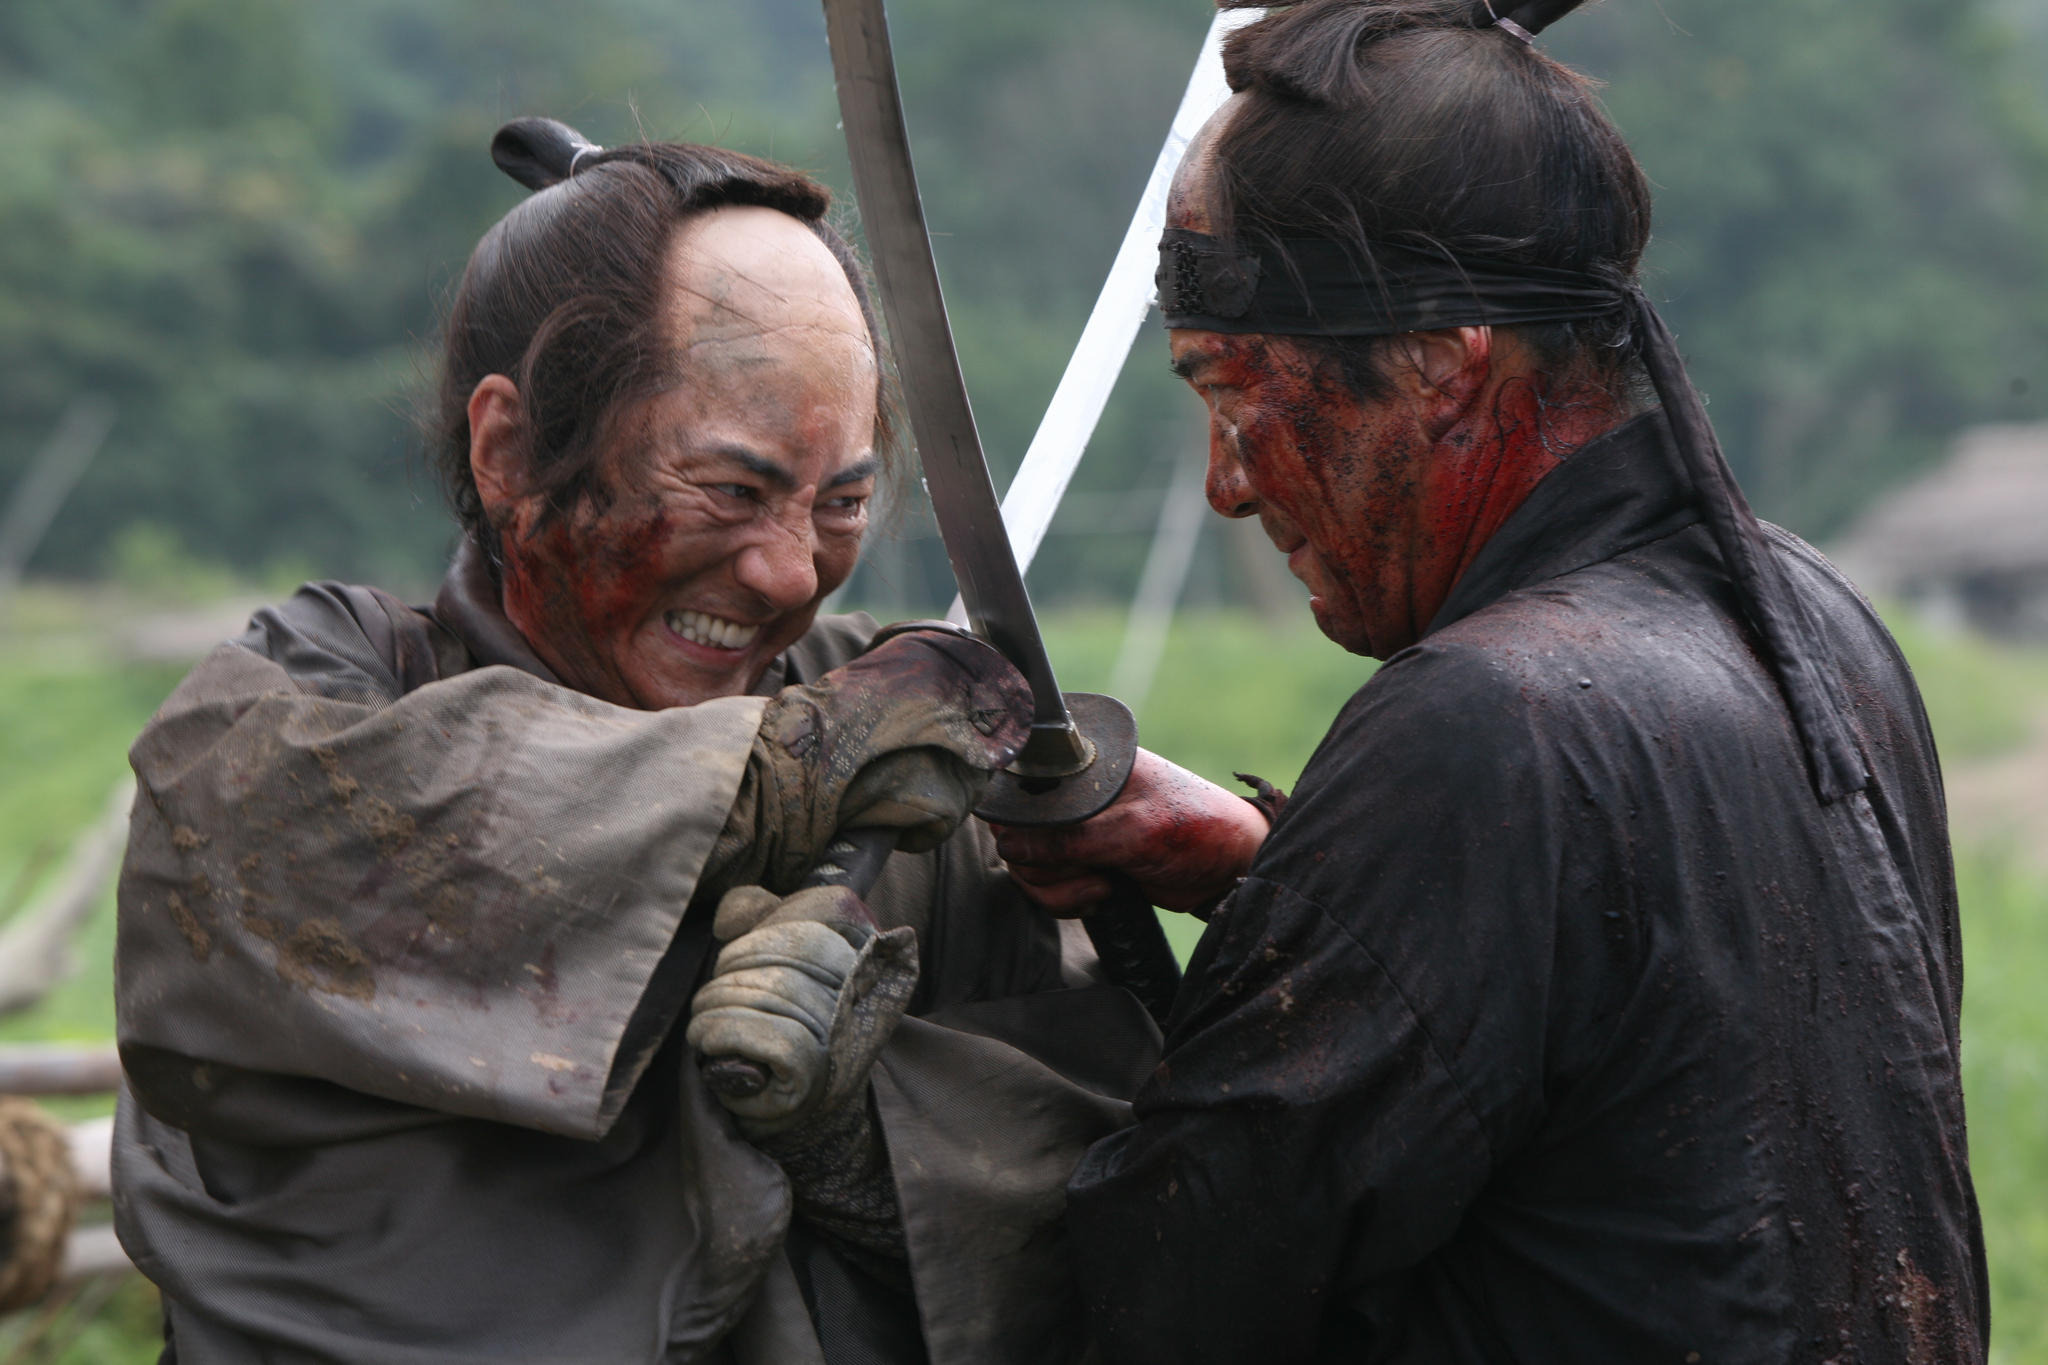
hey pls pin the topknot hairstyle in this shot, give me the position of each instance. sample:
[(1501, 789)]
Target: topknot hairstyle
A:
[(564, 297)]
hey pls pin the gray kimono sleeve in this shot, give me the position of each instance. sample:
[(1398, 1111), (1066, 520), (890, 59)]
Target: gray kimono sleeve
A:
[(454, 900)]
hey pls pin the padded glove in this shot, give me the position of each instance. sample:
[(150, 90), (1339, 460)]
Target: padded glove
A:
[(904, 737), (808, 988)]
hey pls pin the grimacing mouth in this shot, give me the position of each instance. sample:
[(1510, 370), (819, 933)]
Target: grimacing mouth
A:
[(713, 632)]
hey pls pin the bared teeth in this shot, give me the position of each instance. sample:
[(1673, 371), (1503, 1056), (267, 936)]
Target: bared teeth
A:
[(715, 631)]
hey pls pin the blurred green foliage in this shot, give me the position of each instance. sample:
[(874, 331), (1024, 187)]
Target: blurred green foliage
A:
[(238, 218), (1215, 663), (2005, 1085), (1849, 225), (112, 1320), (1983, 699)]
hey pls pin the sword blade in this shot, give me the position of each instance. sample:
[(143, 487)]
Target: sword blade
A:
[(941, 418), (1120, 310)]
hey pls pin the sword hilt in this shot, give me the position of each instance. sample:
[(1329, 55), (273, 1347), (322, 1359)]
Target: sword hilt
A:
[(853, 860), (1028, 793), (1125, 929), (1132, 947)]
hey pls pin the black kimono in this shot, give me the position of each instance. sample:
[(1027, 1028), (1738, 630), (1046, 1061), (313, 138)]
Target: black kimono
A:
[(1558, 1020)]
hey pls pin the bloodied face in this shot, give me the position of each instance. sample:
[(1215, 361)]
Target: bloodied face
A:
[(1381, 503), (734, 501)]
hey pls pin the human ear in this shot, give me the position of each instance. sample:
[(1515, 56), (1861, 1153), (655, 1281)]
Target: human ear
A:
[(1446, 372), (496, 461)]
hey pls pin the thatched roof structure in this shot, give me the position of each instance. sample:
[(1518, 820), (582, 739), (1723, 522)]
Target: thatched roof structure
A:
[(1973, 531)]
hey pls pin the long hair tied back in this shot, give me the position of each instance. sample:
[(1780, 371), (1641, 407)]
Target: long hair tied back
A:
[(1219, 283)]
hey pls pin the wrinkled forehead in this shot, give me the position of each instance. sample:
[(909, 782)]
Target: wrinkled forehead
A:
[(742, 273)]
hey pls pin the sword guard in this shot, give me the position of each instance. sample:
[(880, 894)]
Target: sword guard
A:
[(1106, 724), (1055, 751), (908, 627)]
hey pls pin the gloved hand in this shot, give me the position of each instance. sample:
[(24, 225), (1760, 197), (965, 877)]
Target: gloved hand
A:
[(810, 989), (904, 737)]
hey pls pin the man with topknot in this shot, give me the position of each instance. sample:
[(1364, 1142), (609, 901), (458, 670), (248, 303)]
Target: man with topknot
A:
[(1595, 996), (430, 912)]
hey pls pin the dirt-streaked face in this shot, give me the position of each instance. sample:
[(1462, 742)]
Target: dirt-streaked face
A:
[(1333, 482), (738, 497), (1378, 505)]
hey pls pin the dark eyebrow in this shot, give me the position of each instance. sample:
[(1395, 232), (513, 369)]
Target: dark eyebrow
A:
[(781, 477), (860, 471), (757, 465), (1184, 364)]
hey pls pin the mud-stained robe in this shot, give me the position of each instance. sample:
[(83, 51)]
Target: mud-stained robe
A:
[(1558, 1020), (405, 929)]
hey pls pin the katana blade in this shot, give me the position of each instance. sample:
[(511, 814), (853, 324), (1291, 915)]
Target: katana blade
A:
[(1120, 310), (955, 471), (1062, 776)]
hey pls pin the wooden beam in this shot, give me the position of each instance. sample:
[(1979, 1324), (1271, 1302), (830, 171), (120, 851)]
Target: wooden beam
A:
[(59, 1069)]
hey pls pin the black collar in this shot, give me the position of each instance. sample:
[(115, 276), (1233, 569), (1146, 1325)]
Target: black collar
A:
[(1616, 493)]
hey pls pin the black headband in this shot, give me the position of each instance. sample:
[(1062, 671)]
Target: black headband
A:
[(1319, 287), (1312, 286)]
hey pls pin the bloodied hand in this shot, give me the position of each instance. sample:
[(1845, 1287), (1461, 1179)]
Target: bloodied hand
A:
[(1183, 839), (731, 503)]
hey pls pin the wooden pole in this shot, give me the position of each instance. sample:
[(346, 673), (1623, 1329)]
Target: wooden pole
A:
[(59, 1069)]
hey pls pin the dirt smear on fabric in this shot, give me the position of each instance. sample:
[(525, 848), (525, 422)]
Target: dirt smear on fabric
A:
[(318, 956)]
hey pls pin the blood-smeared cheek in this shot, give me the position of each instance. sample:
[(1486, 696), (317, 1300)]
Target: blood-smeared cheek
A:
[(1477, 478), (1315, 456), (577, 587), (624, 570), (540, 583)]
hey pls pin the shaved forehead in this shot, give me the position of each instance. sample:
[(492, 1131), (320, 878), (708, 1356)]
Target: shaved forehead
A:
[(741, 272), (1189, 203)]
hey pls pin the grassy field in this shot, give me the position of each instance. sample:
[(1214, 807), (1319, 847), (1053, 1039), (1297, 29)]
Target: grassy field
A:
[(1985, 702), (1233, 693)]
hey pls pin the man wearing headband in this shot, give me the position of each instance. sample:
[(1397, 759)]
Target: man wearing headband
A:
[(429, 911), (1595, 995)]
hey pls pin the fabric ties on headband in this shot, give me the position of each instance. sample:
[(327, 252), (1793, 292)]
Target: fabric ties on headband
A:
[(1790, 638), (1320, 287)]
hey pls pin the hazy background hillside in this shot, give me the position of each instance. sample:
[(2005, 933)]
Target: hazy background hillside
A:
[(237, 220), (236, 217)]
